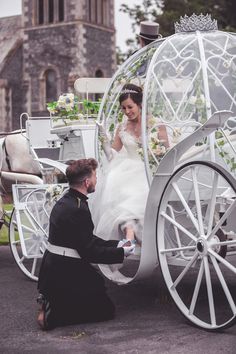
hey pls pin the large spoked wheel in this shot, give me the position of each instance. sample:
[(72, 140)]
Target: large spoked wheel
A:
[(28, 232), (196, 215)]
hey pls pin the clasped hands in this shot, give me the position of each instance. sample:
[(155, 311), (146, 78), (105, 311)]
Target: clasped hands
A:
[(128, 246)]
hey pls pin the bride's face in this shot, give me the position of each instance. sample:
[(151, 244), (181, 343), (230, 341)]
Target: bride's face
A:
[(131, 109)]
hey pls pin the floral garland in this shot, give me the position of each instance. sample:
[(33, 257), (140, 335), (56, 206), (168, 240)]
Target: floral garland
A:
[(53, 193), (68, 107)]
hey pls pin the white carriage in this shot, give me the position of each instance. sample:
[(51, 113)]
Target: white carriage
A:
[(189, 84)]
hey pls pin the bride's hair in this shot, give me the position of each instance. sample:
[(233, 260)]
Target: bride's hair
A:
[(131, 91)]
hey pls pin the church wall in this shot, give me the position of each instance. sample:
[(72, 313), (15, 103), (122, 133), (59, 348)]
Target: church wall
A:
[(53, 47), (99, 51), (12, 72), (76, 47)]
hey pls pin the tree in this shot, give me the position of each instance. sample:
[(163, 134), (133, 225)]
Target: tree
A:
[(167, 12)]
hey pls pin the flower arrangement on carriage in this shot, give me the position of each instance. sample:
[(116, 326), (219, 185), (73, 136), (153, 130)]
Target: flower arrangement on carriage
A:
[(68, 109)]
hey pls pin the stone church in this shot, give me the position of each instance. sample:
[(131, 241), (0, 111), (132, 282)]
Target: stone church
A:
[(44, 50)]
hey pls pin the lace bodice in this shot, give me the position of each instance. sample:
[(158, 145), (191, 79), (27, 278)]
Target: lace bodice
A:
[(130, 143)]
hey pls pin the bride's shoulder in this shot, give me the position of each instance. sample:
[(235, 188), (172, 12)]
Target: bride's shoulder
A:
[(122, 125)]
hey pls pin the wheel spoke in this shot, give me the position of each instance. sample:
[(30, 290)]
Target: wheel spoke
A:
[(27, 228), (209, 291), (224, 285), (222, 260), (184, 271), (197, 201), (176, 249), (34, 264), (224, 243), (185, 204), (222, 220), (180, 227), (21, 260), (196, 289), (211, 206), (16, 242)]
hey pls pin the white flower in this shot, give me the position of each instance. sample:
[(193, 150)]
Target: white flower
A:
[(66, 101), (160, 150), (53, 192), (202, 98), (226, 64), (192, 100), (152, 121), (80, 116)]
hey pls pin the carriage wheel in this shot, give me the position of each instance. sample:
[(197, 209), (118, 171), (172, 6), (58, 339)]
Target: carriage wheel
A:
[(28, 232), (197, 259)]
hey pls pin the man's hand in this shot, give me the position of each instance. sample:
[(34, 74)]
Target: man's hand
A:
[(128, 250)]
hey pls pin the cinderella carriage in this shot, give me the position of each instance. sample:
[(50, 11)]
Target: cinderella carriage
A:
[(189, 86)]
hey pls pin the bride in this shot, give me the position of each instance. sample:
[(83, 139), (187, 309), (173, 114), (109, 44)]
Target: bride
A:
[(120, 199)]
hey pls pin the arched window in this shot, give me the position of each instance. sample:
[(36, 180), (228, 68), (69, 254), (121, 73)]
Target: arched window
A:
[(98, 73), (40, 12), (50, 85), (50, 11), (98, 11), (61, 10)]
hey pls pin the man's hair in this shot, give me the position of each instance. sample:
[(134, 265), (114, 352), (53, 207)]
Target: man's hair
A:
[(79, 170)]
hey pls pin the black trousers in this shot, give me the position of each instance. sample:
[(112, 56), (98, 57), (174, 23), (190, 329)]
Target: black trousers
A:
[(90, 308)]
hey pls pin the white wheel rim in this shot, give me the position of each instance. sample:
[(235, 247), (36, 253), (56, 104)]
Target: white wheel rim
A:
[(186, 246)]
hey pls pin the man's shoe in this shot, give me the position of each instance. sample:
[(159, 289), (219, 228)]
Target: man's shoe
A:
[(42, 320)]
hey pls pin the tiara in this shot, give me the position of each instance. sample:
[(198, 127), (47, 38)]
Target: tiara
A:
[(127, 91)]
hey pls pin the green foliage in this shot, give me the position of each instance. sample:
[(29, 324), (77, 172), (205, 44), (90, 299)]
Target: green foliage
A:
[(90, 106), (4, 235), (4, 240), (69, 107), (167, 12)]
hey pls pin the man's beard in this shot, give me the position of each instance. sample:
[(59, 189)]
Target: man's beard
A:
[(91, 189)]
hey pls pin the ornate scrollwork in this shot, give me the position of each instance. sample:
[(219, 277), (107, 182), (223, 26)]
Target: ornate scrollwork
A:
[(196, 23)]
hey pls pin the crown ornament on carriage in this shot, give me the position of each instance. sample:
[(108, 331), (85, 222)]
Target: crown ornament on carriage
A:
[(195, 23)]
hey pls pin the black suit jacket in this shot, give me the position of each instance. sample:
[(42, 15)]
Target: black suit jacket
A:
[(71, 226)]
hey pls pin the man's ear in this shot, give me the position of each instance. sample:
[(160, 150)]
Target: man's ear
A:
[(86, 182)]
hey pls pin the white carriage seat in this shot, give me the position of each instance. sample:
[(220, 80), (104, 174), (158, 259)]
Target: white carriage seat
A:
[(42, 142), (89, 85)]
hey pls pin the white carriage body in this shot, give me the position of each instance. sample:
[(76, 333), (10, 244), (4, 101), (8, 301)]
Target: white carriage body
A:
[(189, 82)]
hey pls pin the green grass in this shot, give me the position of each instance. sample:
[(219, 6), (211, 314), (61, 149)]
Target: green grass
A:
[(4, 230), (4, 236)]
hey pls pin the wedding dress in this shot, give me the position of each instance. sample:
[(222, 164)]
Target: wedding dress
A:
[(121, 192)]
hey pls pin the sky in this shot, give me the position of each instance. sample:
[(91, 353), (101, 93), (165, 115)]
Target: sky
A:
[(122, 21)]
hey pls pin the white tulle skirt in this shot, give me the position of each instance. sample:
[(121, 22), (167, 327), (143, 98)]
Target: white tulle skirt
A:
[(120, 197)]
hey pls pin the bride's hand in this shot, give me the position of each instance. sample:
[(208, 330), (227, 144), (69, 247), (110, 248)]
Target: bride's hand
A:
[(101, 128)]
